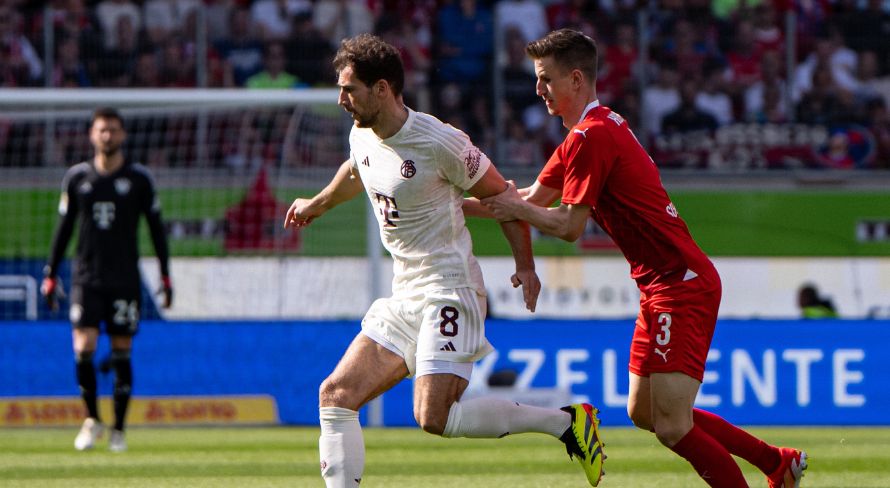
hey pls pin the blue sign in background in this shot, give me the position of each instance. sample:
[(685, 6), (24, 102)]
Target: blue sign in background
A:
[(831, 372)]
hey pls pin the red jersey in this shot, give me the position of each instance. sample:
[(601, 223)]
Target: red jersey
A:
[(601, 164)]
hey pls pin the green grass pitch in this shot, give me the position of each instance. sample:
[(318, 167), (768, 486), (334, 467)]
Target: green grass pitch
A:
[(287, 456)]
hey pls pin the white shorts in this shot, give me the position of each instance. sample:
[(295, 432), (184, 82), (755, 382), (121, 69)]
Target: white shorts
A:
[(431, 330)]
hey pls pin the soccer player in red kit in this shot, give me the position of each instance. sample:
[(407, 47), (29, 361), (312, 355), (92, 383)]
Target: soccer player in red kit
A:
[(601, 170)]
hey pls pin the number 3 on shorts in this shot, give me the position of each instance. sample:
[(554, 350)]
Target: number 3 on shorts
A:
[(663, 337), (449, 316)]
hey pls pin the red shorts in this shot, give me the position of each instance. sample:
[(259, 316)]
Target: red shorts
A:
[(674, 328)]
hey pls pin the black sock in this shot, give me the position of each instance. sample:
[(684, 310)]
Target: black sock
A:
[(86, 379), (123, 382)]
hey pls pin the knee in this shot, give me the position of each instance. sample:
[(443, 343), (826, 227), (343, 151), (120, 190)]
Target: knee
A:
[(641, 417), (331, 393), (670, 433), (430, 421)]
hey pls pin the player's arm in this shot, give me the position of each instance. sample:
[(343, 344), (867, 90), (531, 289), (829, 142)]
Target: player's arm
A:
[(519, 237), (162, 250), (565, 221), (345, 185), (151, 207), (51, 287), (538, 194)]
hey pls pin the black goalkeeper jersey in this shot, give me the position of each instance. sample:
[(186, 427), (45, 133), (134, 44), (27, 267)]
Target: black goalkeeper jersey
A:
[(107, 209)]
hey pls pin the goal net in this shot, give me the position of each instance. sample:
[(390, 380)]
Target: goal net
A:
[(227, 164)]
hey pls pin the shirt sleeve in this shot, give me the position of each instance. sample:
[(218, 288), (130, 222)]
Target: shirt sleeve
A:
[(464, 167), (587, 166), (553, 173)]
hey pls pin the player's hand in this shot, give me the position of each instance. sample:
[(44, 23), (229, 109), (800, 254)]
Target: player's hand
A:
[(300, 214), (531, 287), (52, 291), (166, 292), (504, 204)]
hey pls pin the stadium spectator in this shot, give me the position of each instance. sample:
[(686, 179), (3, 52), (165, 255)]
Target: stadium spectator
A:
[(660, 98), (686, 50), (19, 63), (767, 34), (688, 117), (829, 51), (743, 61), (165, 18), (217, 14), (769, 106), (517, 74), (116, 66), (432, 327), (571, 13), (177, 64), (528, 16), (339, 19), (766, 99), (618, 65), (274, 75), (69, 70), (712, 98), (110, 12), (870, 83), (105, 198), (464, 45), (820, 105), (242, 51), (814, 306), (601, 170), (146, 73), (275, 17), (521, 147), (308, 53), (415, 56)]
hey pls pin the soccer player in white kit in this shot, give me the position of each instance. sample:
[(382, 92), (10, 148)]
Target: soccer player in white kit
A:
[(415, 169)]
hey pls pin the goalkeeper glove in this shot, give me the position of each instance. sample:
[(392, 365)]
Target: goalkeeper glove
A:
[(166, 292), (52, 291)]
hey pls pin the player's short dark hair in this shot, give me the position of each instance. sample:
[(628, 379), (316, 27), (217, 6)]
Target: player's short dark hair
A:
[(106, 113), (569, 48), (372, 59)]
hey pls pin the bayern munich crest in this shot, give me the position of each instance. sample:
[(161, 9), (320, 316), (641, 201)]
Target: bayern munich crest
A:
[(408, 169)]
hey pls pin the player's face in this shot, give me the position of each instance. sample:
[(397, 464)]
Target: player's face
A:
[(107, 136), (554, 85), (358, 99)]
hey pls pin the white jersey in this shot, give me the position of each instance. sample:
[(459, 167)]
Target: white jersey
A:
[(415, 180)]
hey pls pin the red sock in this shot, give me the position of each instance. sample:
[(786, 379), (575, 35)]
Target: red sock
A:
[(711, 460), (744, 445)]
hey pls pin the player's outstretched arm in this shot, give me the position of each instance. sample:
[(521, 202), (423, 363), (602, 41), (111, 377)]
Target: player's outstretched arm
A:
[(538, 194), (565, 221), (519, 237), (345, 185)]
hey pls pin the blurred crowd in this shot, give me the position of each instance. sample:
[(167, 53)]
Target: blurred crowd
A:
[(709, 66)]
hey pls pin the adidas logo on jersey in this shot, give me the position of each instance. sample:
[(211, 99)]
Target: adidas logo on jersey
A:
[(366, 162), (448, 347)]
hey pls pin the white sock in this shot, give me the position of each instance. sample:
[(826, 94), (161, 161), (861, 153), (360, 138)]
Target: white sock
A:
[(341, 447), (490, 417)]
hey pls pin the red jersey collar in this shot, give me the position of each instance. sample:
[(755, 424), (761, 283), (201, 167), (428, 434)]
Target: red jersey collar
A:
[(590, 106)]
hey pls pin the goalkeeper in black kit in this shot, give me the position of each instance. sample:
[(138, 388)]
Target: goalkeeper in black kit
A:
[(105, 197)]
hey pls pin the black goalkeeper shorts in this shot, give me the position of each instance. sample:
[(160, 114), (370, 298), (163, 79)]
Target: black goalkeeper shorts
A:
[(118, 309)]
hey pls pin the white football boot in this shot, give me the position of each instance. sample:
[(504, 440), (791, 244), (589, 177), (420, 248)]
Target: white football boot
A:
[(90, 431)]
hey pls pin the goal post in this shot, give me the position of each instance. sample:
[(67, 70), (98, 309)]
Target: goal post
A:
[(227, 163)]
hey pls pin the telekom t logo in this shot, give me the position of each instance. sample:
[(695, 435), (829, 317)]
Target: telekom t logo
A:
[(103, 214)]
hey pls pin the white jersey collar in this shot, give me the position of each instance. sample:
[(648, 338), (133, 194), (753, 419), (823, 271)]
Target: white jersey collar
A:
[(405, 127), (590, 106)]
